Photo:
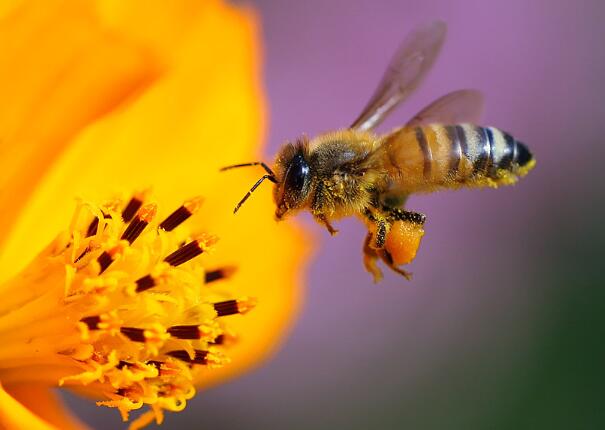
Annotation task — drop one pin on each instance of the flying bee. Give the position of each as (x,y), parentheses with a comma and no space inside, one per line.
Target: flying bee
(355,171)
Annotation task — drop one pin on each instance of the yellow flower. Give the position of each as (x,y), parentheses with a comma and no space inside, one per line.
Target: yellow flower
(100,100)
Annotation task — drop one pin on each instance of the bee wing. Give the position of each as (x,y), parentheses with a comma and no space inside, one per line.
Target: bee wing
(405,72)
(453,108)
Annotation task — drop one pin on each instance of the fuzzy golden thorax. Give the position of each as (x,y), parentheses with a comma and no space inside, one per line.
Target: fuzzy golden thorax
(333,175)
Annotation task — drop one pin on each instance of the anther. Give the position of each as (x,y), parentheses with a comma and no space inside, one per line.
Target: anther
(185,331)
(133,206)
(133,333)
(219,340)
(110,206)
(107,257)
(145,283)
(92,322)
(200,357)
(104,260)
(191,250)
(155,363)
(218,274)
(94,225)
(139,222)
(231,307)
(177,217)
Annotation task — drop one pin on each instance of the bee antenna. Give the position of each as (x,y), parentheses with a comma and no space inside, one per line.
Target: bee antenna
(254,187)
(254,163)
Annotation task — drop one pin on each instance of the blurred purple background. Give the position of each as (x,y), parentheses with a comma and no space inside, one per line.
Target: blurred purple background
(503,323)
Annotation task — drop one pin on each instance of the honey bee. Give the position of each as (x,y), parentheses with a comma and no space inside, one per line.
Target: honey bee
(355,171)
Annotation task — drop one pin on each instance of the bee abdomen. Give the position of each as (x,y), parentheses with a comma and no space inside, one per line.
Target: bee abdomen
(467,153)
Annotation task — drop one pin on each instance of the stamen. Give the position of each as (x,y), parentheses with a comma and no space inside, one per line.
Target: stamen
(133,333)
(155,363)
(218,274)
(107,257)
(92,322)
(231,307)
(110,206)
(177,217)
(200,357)
(246,304)
(164,368)
(219,340)
(145,283)
(104,260)
(123,364)
(228,307)
(133,206)
(185,331)
(92,228)
(139,222)
(191,250)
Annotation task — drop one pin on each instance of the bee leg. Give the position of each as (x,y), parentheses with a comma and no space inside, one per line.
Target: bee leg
(383,225)
(325,221)
(397,214)
(388,260)
(370,255)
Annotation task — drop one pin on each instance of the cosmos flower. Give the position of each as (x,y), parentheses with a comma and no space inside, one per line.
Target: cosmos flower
(109,294)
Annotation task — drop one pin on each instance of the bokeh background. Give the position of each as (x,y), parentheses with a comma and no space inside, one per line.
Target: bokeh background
(503,324)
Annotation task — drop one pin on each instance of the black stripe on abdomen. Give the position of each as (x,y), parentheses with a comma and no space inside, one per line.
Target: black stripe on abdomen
(484,150)
(506,161)
(456,151)
(426,152)
(461,134)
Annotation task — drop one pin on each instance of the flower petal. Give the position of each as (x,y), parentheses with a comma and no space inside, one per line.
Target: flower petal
(59,70)
(16,416)
(43,403)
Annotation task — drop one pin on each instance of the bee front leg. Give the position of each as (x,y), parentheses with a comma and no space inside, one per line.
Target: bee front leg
(318,207)
(321,218)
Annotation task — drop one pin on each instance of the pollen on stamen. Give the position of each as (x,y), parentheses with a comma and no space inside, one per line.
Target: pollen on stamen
(191,250)
(231,307)
(133,205)
(108,257)
(139,222)
(181,214)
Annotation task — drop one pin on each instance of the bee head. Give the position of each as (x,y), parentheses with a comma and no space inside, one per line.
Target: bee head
(293,186)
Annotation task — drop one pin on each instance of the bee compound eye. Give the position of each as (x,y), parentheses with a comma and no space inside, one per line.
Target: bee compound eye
(297,175)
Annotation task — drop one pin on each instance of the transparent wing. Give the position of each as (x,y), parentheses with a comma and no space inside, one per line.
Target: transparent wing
(453,108)
(405,72)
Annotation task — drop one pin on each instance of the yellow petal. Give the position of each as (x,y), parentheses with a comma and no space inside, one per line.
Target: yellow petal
(15,416)
(42,403)
(60,69)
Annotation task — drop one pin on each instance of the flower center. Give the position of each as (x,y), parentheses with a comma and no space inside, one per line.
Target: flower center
(120,306)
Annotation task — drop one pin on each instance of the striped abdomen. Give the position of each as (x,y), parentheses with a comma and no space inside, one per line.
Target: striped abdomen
(433,156)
